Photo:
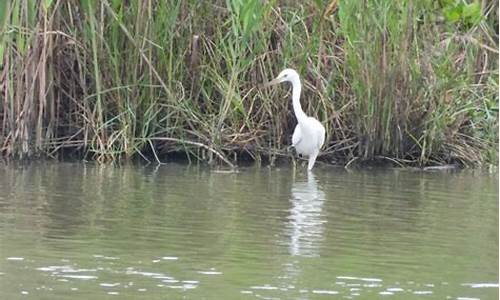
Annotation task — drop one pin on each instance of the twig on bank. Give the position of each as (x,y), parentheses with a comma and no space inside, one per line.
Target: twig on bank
(219,155)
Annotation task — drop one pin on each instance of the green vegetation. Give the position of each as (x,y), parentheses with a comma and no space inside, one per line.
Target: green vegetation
(413,82)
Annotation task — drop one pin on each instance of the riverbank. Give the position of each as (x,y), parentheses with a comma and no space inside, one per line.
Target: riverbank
(415,82)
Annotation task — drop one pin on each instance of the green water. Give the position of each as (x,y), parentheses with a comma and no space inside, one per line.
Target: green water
(76,231)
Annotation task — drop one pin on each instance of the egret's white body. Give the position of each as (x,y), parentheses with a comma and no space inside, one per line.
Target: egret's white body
(309,134)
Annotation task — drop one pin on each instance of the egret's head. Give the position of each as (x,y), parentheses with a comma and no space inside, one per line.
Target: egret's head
(289,75)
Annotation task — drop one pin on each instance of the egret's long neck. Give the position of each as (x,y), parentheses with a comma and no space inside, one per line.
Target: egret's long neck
(297,108)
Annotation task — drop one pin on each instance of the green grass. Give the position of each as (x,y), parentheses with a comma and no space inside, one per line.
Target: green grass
(408,81)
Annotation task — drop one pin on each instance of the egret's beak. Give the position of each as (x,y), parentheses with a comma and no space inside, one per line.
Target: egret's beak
(272,82)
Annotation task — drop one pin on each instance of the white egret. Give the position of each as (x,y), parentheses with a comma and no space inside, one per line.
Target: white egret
(309,134)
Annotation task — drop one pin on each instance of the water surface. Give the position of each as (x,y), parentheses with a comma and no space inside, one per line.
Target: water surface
(76,231)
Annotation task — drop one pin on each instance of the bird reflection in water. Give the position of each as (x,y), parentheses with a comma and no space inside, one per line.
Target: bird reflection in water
(306,220)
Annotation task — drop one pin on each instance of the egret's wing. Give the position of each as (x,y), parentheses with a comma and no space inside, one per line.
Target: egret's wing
(297,136)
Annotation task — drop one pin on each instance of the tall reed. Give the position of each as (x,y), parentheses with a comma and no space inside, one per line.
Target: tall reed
(413,82)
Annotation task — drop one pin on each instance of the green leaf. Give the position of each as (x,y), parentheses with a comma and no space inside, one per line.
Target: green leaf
(3,14)
(472,13)
(453,14)
(472,10)
(319,4)
(3,27)
(47,4)
(32,11)
(447,3)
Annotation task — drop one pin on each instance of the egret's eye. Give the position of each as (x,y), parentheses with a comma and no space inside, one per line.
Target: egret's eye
(285,75)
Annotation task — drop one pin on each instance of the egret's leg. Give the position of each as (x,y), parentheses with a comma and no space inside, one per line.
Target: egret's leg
(312,160)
